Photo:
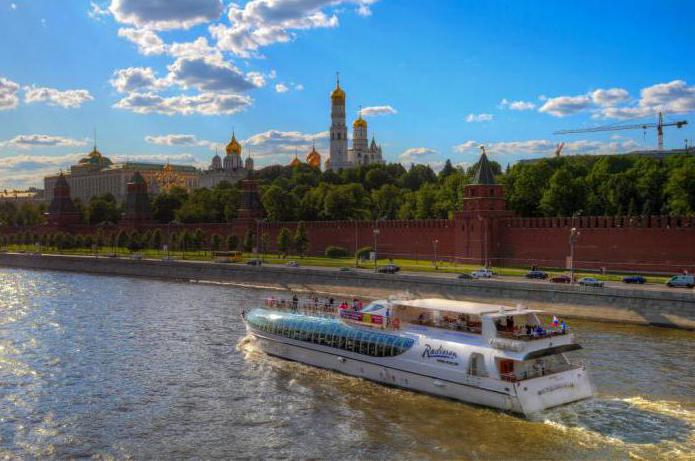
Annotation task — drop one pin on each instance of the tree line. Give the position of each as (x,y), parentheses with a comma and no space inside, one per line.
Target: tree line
(620,185)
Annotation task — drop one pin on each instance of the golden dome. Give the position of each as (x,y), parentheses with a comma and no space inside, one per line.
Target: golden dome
(295,162)
(233,147)
(313,158)
(338,95)
(359,123)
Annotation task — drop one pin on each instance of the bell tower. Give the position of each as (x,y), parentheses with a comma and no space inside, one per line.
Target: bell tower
(338,143)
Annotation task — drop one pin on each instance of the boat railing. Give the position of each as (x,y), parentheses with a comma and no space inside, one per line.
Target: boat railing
(303,306)
(521,335)
(541,371)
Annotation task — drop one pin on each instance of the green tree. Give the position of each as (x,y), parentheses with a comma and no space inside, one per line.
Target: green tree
(386,202)
(232,242)
(680,189)
(102,209)
(215,242)
(122,239)
(156,241)
(165,204)
(284,242)
(301,239)
(248,241)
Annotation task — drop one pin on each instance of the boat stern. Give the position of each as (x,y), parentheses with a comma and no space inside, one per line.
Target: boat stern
(538,394)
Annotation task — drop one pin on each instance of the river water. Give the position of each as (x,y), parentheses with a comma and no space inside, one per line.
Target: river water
(114,367)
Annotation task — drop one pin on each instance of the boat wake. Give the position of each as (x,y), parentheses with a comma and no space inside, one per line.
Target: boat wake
(644,429)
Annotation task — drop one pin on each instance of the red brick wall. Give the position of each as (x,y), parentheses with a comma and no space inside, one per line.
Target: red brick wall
(413,239)
(659,244)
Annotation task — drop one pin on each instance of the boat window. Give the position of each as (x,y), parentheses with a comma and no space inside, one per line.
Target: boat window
(476,365)
(331,333)
(372,307)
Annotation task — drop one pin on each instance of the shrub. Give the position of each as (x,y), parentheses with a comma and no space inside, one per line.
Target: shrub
(363,253)
(336,252)
(232,242)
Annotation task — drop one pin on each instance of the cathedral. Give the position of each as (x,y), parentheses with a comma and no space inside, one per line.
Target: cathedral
(363,152)
(231,169)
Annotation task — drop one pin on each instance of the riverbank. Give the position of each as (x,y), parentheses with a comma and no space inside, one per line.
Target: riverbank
(675,309)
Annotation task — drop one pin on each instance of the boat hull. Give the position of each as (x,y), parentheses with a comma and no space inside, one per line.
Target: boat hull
(326,358)
(525,397)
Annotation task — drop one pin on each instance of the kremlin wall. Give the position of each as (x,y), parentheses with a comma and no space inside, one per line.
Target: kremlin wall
(484,231)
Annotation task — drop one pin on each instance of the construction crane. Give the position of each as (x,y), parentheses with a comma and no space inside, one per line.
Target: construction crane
(558,149)
(659,125)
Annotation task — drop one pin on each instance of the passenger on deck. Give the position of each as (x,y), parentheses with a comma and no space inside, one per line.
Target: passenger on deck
(295,303)
(421,318)
(563,327)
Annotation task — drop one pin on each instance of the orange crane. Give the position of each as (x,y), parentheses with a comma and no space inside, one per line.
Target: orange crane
(659,125)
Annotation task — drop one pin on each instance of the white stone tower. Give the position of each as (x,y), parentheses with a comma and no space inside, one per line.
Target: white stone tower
(338,154)
(360,142)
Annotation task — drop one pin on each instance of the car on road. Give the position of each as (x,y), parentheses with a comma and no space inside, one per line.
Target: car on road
(292,264)
(465,276)
(634,279)
(482,274)
(681,281)
(136,256)
(254,262)
(590,282)
(536,275)
(561,279)
(345,269)
(389,269)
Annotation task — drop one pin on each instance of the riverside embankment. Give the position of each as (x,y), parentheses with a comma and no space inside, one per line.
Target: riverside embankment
(647,307)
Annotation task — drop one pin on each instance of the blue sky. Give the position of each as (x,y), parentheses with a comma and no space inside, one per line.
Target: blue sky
(436,78)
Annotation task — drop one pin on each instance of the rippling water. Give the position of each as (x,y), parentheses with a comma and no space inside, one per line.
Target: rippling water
(113,367)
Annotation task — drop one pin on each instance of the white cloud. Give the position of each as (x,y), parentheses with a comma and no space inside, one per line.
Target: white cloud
(279,145)
(13,6)
(21,171)
(163,15)
(672,97)
(136,78)
(8,94)
(374,111)
(544,147)
(69,99)
(202,104)
(566,105)
(28,141)
(517,105)
(260,23)
(299,87)
(176,140)
(198,48)
(97,12)
(148,42)
(471,118)
(281,88)
(416,154)
(609,97)
(209,75)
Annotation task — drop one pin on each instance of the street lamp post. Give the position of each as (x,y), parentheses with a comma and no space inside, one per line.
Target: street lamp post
(376,257)
(356,242)
(573,241)
(435,243)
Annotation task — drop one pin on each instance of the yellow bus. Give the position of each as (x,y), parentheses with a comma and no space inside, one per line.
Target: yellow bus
(227,256)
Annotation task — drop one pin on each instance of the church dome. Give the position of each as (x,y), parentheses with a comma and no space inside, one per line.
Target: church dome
(233,147)
(313,158)
(95,158)
(295,162)
(338,95)
(359,122)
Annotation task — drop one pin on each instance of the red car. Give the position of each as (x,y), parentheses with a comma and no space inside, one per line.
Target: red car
(561,279)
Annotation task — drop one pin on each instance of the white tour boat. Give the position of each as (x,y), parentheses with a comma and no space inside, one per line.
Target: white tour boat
(508,358)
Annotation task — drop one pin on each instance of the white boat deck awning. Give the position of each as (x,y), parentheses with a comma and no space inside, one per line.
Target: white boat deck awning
(460,307)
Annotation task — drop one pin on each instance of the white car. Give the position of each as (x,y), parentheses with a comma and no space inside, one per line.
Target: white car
(590,282)
(482,274)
